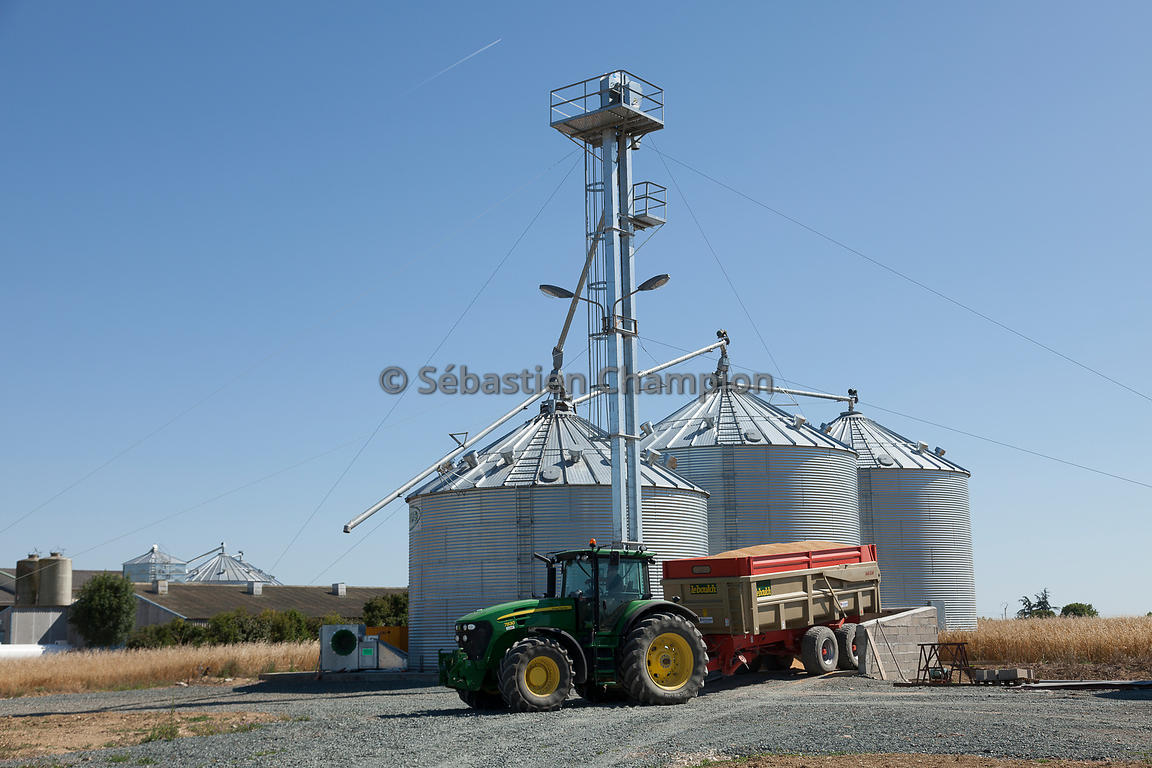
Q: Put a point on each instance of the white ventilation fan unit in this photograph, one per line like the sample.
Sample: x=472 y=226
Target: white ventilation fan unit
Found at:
x=345 y=648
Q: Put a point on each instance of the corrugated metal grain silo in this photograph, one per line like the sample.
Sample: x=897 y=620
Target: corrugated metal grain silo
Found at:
x=914 y=508
x=545 y=486
x=154 y=565
x=771 y=476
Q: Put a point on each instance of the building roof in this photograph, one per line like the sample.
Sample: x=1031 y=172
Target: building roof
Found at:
x=199 y=602
x=878 y=447
x=154 y=555
x=555 y=448
x=730 y=416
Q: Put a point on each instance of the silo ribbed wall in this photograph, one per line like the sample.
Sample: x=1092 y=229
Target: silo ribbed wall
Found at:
x=763 y=494
x=923 y=535
x=471 y=549
x=675 y=525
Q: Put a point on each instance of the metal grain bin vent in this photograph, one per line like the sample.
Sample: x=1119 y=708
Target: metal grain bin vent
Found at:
x=914 y=508
x=770 y=476
x=543 y=487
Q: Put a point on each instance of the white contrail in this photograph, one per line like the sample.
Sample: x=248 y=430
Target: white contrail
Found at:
x=425 y=82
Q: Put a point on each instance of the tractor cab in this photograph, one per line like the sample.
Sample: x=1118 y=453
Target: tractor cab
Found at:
x=601 y=582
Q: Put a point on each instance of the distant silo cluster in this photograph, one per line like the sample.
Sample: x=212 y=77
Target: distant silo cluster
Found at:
x=545 y=486
x=771 y=477
x=914 y=508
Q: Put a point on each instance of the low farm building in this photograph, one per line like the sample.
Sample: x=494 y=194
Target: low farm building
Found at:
x=161 y=602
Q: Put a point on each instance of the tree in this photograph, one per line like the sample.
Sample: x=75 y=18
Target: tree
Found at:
x=1079 y=609
x=1040 y=608
x=105 y=610
x=387 y=610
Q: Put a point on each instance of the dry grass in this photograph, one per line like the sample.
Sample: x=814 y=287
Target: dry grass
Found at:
x=1114 y=646
x=119 y=670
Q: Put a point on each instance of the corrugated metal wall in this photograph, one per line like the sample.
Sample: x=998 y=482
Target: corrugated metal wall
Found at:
x=763 y=494
x=471 y=549
x=923 y=534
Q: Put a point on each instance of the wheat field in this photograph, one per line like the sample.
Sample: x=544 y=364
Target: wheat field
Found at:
x=1123 y=640
x=118 y=670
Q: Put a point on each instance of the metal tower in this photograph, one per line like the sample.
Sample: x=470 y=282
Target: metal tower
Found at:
x=608 y=115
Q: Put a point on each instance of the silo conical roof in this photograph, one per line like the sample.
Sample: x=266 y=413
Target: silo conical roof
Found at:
x=729 y=416
x=223 y=568
x=555 y=448
x=880 y=448
x=154 y=556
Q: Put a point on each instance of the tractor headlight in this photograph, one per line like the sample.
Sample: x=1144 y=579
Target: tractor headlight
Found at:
x=474 y=641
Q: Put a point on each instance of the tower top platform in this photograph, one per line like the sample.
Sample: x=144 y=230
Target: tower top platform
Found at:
x=616 y=99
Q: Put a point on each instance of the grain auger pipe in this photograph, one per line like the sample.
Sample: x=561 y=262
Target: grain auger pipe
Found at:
x=851 y=398
x=723 y=342
x=464 y=446
x=439 y=462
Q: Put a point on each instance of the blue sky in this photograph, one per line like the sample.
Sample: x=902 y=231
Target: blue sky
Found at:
x=262 y=205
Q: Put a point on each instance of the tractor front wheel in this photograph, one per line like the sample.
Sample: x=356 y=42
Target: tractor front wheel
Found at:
x=663 y=660
x=535 y=675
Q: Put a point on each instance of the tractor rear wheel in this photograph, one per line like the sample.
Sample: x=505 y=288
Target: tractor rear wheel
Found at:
x=818 y=650
x=663 y=660
x=535 y=675
x=482 y=699
x=846 y=640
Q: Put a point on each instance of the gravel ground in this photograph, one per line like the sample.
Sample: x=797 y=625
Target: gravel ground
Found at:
x=419 y=724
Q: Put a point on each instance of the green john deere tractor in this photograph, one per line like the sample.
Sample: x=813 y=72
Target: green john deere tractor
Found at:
x=597 y=629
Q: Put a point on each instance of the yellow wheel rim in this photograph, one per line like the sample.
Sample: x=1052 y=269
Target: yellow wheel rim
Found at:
x=542 y=676
x=670 y=661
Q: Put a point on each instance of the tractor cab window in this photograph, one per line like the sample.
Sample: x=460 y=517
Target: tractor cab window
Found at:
x=620 y=583
x=577 y=578
x=624 y=580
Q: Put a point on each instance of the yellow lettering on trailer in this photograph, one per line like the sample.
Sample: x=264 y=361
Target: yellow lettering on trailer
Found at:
x=701 y=589
x=764 y=590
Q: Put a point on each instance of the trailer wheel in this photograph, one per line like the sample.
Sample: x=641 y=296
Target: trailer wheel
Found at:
x=846 y=644
x=663 y=660
x=482 y=699
x=535 y=675
x=818 y=650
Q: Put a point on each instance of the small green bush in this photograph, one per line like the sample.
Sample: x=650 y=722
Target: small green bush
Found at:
x=105 y=610
x=231 y=627
x=387 y=610
x=1079 y=609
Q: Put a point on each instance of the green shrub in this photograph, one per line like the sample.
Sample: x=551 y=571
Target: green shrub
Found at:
x=175 y=632
x=1079 y=609
x=387 y=610
x=105 y=610
x=231 y=627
